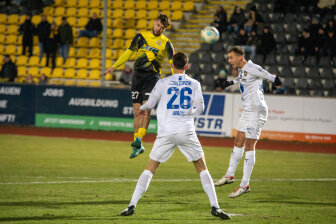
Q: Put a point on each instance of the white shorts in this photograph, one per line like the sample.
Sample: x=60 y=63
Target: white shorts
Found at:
x=187 y=143
x=251 y=124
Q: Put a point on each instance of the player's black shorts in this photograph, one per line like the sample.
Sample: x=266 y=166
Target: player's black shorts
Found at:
x=142 y=84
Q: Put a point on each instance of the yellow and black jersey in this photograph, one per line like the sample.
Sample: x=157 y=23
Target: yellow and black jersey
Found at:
x=150 y=52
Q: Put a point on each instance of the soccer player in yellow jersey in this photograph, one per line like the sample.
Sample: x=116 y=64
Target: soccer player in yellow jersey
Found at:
x=151 y=48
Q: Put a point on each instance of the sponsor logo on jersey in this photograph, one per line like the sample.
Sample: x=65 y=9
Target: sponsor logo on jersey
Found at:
x=152 y=49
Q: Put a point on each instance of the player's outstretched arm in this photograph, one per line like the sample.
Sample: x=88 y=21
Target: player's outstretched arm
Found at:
x=121 y=60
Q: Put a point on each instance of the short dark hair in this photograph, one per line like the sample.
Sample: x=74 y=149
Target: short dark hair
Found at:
x=180 y=60
x=164 y=20
x=237 y=50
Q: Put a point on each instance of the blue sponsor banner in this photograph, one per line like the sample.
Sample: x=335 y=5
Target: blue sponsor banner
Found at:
x=212 y=121
x=84 y=101
x=17 y=104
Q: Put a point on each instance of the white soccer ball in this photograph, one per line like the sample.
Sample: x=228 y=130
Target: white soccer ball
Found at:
x=210 y=34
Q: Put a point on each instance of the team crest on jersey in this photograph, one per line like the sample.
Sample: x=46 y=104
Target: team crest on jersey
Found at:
x=158 y=42
x=245 y=73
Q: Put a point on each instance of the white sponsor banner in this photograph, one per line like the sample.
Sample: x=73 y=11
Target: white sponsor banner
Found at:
x=293 y=114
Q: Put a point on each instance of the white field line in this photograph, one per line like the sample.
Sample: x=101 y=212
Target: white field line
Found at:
x=116 y=180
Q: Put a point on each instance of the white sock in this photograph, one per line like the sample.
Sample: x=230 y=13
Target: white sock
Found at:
x=141 y=186
x=236 y=155
x=209 y=188
x=248 y=167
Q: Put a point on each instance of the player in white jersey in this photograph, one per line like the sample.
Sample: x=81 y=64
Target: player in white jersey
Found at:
x=179 y=99
x=252 y=119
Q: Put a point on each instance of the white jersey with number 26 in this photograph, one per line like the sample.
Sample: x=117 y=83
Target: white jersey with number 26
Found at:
x=176 y=94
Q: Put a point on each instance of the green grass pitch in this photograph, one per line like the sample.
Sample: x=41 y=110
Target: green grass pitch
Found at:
x=63 y=180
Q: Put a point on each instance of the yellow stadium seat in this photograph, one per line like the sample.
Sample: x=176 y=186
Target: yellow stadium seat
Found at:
x=3 y=18
x=69 y=82
x=34 y=71
x=48 y=10
x=82 y=83
x=71 y=12
x=141 y=14
x=153 y=14
x=22 y=19
x=71 y=3
x=69 y=73
x=83 y=12
x=94 y=64
x=21 y=60
x=82 y=63
x=130 y=33
x=108 y=53
x=43 y=61
x=2 y=49
x=72 y=52
x=117 y=13
x=72 y=21
x=19 y=50
x=188 y=6
x=81 y=22
x=141 y=24
x=129 y=14
x=129 y=4
x=2 y=28
x=117 y=23
x=12 y=29
x=177 y=15
x=33 y=61
x=59 y=61
x=82 y=52
x=108 y=77
x=46 y=71
x=117 y=43
x=22 y=71
x=58 y=20
x=57 y=73
x=152 y=5
x=94 y=53
x=59 y=2
x=95 y=42
x=117 y=33
x=108 y=63
x=2 y=38
x=36 y=50
x=59 y=11
x=95 y=4
x=81 y=74
x=118 y=4
x=95 y=84
x=94 y=74
x=11 y=39
x=82 y=42
x=57 y=82
x=164 y=5
x=70 y=63
x=36 y=19
x=13 y=19
x=10 y=49
x=176 y=5
x=83 y=3
x=130 y=23
x=140 y=4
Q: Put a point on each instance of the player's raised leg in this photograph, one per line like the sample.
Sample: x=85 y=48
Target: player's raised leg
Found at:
x=236 y=155
x=209 y=188
x=249 y=162
x=141 y=187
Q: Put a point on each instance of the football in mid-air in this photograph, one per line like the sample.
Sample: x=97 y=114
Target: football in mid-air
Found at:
x=210 y=34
